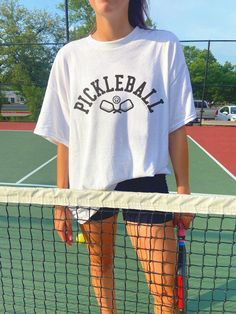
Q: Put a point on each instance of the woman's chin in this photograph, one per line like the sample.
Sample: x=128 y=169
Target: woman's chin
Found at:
x=104 y=7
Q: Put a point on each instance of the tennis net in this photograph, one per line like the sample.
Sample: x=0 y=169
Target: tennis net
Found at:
x=40 y=274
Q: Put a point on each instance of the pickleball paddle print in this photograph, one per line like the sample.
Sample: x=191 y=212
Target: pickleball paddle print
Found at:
x=116 y=106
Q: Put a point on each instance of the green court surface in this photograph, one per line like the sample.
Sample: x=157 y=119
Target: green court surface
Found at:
x=38 y=274
x=23 y=153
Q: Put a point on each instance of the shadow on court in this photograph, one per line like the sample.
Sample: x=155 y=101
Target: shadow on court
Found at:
x=220 y=299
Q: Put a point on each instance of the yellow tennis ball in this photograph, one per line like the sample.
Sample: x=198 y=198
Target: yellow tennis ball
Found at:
x=80 y=238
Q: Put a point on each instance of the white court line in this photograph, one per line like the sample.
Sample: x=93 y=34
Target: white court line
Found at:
x=16 y=131
x=214 y=159
x=27 y=185
x=36 y=170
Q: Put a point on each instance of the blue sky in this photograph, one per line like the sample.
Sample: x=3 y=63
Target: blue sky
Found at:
x=188 y=19
x=200 y=19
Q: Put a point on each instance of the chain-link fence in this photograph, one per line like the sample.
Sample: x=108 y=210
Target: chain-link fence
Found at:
x=25 y=65
x=212 y=66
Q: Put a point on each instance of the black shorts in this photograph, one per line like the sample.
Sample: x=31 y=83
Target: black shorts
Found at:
x=156 y=184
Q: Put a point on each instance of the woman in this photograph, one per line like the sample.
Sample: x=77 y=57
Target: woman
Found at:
x=116 y=105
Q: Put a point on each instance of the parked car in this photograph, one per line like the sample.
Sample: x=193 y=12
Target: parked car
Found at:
x=226 y=113
x=207 y=112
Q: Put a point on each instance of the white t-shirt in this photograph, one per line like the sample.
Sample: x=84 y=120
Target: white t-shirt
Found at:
x=114 y=104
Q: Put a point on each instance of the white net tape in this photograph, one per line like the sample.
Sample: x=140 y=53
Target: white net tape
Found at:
x=201 y=203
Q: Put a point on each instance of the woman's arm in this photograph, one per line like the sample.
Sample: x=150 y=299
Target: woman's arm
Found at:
x=178 y=149
x=62 y=215
x=62 y=167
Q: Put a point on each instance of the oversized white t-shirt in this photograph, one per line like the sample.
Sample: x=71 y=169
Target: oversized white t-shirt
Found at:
x=114 y=104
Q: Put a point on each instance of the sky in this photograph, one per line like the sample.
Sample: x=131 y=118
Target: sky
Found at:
x=188 y=19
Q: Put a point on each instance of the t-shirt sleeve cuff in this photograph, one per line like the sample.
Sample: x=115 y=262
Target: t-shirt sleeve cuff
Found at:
x=182 y=123
x=55 y=139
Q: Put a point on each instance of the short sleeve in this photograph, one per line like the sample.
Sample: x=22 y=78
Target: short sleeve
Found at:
x=53 y=121
x=181 y=104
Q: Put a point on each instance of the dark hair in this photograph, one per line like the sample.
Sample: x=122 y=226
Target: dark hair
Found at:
x=137 y=13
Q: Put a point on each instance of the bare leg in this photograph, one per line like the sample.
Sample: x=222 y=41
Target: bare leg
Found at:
x=100 y=238
x=156 y=249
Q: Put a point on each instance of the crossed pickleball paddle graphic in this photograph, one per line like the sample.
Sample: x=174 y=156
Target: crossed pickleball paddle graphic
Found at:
x=116 y=106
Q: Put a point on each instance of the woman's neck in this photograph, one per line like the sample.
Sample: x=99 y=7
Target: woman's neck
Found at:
x=107 y=30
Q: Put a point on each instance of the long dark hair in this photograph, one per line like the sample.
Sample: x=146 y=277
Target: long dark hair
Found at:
x=138 y=12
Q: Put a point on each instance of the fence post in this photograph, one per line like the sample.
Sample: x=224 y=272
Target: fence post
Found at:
x=67 y=21
x=205 y=80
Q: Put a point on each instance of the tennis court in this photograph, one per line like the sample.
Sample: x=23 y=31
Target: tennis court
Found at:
x=38 y=274
x=28 y=159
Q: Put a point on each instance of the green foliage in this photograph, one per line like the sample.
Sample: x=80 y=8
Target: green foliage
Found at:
x=34 y=97
x=81 y=16
x=25 y=61
x=1 y=102
x=1 y=99
x=150 y=23
x=221 y=79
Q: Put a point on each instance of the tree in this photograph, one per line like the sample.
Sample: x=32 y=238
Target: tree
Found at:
x=1 y=103
x=25 y=59
x=221 y=79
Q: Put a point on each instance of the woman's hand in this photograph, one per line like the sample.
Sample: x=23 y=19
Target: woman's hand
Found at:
x=62 y=224
x=185 y=219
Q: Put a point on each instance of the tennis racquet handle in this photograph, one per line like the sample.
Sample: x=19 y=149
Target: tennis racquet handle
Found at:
x=181 y=270
x=181 y=231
